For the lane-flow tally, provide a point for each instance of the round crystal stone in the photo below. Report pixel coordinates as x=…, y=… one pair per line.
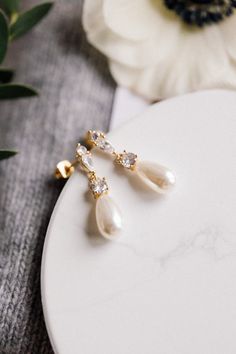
x=99, y=186
x=128, y=159
x=81, y=150
x=95, y=135
x=105, y=145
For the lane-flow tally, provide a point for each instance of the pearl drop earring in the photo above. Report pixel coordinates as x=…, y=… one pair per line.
x=157, y=177
x=108, y=217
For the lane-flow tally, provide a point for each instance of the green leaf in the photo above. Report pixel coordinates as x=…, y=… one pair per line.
x=29, y=19
x=11, y=91
x=10, y=6
x=4, y=33
x=5, y=154
x=6, y=75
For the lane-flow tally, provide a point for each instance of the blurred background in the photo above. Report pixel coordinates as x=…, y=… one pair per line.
x=75, y=93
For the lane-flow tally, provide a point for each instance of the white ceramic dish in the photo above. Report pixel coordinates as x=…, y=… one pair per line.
x=168, y=284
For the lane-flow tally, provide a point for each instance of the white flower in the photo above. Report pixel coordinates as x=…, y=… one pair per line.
x=154, y=53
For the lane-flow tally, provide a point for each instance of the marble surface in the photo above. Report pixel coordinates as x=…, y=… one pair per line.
x=167, y=285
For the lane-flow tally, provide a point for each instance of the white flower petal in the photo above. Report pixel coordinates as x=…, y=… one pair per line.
x=117, y=48
x=227, y=80
x=132, y=78
x=135, y=19
x=92, y=14
x=123, y=50
x=173, y=59
x=228, y=28
x=108, y=42
x=191, y=64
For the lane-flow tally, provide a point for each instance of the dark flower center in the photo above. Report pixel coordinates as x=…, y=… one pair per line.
x=202, y=12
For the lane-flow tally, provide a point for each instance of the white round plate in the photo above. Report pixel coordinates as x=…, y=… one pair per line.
x=167, y=285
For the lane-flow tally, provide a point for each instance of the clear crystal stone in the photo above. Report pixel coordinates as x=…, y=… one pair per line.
x=95, y=135
x=128, y=159
x=105, y=145
x=81, y=150
x=101, y=142
x=99, y=186
x=88, y=162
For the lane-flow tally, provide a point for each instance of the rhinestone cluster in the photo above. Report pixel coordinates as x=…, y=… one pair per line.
x=97, y=185
x=126, y=159
x=202, y=12
x=98, y=139
x=108, y=216
x=85, y=158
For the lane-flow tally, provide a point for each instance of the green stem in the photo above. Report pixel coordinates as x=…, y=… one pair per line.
x=13, y=18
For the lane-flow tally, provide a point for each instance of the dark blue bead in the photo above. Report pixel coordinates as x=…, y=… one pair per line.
x=201, y=12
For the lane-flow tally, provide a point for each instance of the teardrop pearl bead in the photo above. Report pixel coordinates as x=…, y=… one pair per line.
x=157, y=177
x=108, y=216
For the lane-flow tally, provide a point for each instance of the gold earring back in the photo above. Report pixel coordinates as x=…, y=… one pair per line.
x=64, y=169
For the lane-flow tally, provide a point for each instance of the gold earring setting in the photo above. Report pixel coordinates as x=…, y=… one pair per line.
x=155, y=176
x=108, y=217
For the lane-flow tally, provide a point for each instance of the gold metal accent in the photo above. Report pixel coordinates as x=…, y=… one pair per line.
x=88, y=138
x=119, y=161
x=64, y=169
x=133, y=167
x=92, y=177
x=118, y=156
